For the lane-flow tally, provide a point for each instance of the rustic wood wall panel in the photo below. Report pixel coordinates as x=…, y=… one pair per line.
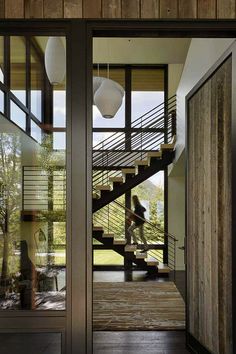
x=150, y=8
x=226, y=8
x=187, y=9
x=53, y=9
x=118, y=9
x=14, y=9
x=92, y=8
x=206, y=8
x=208, y=213
x=2, y=9
x=73, y=8
x=168, y=9
x=33, y=8
x=111, y=9
x=130, y=9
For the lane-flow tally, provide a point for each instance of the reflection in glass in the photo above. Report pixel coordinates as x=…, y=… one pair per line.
x=32, y=207
x=32, y=265
x=1, y=59
x=18, y=116
x=36, y=132
x=59, y=141
x=36, y=84
x=1, y=102
x=18, y=67
x=59, y=112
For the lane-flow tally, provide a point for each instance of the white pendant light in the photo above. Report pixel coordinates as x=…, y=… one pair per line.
x=108, y=98
x=55, y=60
x=97, y=81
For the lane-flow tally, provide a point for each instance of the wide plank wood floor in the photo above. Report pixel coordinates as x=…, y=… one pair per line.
x=137, y=306
x=140, y=342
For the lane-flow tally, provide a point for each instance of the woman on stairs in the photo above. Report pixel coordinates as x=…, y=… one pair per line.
x=138, y=222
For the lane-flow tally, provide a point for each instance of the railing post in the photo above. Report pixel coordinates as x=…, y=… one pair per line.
x=173, y=123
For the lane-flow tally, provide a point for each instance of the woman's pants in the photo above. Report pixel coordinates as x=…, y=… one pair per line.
x=133, y=236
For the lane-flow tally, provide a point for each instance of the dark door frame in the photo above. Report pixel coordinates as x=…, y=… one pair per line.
x=79, y=102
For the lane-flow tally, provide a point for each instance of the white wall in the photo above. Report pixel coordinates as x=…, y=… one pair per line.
x=140, y=50
x=176, y=208
x=174, y=76
x=202, y=54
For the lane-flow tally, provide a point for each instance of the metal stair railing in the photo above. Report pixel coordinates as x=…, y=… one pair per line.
x=152, y=131
x=113, y=218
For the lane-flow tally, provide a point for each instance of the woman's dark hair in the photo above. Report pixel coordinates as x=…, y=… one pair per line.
x=136, y=200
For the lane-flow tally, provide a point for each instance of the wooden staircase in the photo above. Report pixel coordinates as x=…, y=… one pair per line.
x=130, y=177
x=141, y=260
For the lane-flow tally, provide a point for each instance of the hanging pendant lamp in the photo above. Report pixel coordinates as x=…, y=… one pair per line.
x=97, y=81
x=108, y=98
x=55, y=60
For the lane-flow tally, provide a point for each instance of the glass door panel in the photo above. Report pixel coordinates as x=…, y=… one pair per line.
x=32, y=185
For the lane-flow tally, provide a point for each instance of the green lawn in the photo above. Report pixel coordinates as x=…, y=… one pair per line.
x=107, y=257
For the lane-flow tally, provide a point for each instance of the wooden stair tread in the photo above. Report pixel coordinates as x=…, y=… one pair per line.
x=97, y=228
x=169, y=146
x=151, y=261
x=103, y=187
x=154, y=154
x=130, y=248
x=108, y=235
x=140, y=255
x=126, y=171
x=116, y=179
x=141, y=162
x=96, y=196
x=163, y=268
x=119, y=242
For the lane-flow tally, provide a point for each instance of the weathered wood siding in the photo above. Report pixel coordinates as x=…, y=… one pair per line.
x=209, y=212
x=117, y=9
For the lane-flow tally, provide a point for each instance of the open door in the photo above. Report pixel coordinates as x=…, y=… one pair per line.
x=209, y=210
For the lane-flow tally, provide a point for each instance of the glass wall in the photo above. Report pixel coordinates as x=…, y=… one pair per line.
x=32, y=184
x=18, y=67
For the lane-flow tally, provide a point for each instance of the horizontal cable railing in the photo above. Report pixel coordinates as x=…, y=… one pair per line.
x=43, y=190
x=120, y=150
x=114, y=218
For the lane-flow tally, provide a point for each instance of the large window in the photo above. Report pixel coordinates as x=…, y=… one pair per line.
x=37, y=83
x=144, y=90
x=18, y=67
x=148, y=90
x=32, y=180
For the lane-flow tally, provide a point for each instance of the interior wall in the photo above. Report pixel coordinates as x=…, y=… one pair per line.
x=202, y=54
x=209, y=219
x=176, y=209
x=174, y=76
x=213, y=9
x=140, y=50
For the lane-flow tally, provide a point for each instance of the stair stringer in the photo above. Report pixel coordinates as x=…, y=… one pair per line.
x=155, y=166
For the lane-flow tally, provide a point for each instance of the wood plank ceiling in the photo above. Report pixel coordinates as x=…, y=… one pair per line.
x=191, y=9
